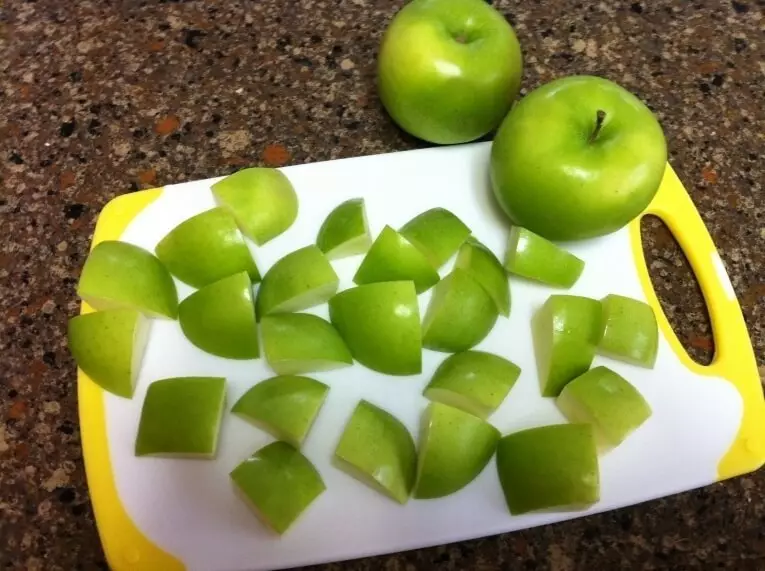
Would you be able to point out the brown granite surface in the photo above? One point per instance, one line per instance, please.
(102, 98)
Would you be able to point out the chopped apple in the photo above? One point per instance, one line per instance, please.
(284, 406)
(206, 248)
(278, 484)
(181, 417)
(378, 450)
(533, 257)
(565, 332)
(345, 231)
(121, 275)
(549, 467)
(393, 258)
(474, 381)
(454, 448)
(108, 346)
(220, 318)
(630, 332)
(486, 269)
(380, 323)
(438, 233)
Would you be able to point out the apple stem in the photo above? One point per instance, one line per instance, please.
(600, 117)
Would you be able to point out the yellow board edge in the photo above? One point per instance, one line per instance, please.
(734, 358)
(125, 546)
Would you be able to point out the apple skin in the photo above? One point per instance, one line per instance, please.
(448, 70)
(630, 332)
(438, 233)
(345, 231)
(533, 257)
(486, 269)
(552, 176)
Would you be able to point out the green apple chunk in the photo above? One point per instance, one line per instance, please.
(486, 269)
(460, 314)
(606, 400)
(108, 346)
(121, 275)
(454, 448)
(565, 332)
(262, 201)
(220, 318)
(531, 256)
(438, 233)
(283, 406)
(393, 258)
(181, 417)
(206, 248)
(296, 343)
(549, 467)
(278, 483)
(378, 450)
(380, 323)
(474, 381)
(630, 332)
(301, 279)
(345, 231)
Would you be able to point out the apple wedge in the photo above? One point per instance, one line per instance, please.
(486, 269)
(474, 381)
(181, 417)
(220, 318)
(393, 258)
(278, 484)
(108, 346)
(121, 275)
(296, 343)
(460, 314)
(565, 332)
(606, 400)
(454, 448)
(284, 406)
(549, 467)
(262, 201)
(380, 323)
(378, 450)
(206, 248)
(533, 257)
(345, 231)
(630, 332)
(301, 279)
(438, 233)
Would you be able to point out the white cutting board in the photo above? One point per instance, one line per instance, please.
(185, 511)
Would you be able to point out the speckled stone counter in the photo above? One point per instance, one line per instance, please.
(103, 98)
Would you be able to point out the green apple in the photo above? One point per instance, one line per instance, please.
(378, 450)
(597, 160)
(121, 275)
(485, 268)
(549, 467)
(296, 343)
(630, 332)
(108, 346)
(345, 231)
(284, 406)
(380, 323)
(393, 258)
(454, 448)
(438, 233)
(278, 483)
(220, 318)
(460, 314)
(565, 332)
(181, 417)
(262, 201)
(205, 248)
(533, 257)
(460, 81)
(607, 401)
(474, 381)
(301, 279)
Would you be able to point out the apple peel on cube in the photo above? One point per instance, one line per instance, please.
(630, 332)
(487, 270)
(533, 257)
(345, 231)
(438, 233)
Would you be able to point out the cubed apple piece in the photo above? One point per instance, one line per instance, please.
(533, 257)
(630, 332)
(438, 233)
(345, 231)
(486, 269)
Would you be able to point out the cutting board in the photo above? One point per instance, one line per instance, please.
(157, 514)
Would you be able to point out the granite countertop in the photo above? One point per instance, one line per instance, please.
(103, 98)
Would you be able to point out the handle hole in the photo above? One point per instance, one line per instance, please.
(678, 290)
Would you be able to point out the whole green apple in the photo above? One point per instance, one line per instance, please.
(577, 158)
(448, 70)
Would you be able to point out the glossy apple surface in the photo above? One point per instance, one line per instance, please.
(630, 332)
(533, 257)
(438, 233)
(345, 231)
(486, 269)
